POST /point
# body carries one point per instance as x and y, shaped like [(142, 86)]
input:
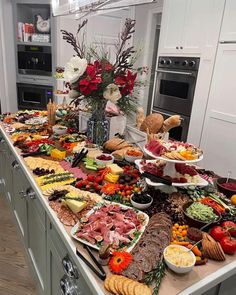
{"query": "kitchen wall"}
[(7, 59), (107, 27)]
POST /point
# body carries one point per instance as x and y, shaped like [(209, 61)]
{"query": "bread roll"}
[(153, 122), (171, 122)]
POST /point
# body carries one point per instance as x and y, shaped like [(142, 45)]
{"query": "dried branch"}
[(79, 47), (123, 62), (126, 35)]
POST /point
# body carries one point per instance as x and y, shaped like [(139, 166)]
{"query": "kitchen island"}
[(52, 251)]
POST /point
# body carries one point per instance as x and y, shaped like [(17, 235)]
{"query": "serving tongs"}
[(101, 273), (78, 158), (155, 178)]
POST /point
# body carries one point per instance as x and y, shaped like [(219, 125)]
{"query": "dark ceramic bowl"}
[(226, 191), (192, 222)]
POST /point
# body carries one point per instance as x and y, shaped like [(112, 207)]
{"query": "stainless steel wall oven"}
[(174, 90), (33, 96)]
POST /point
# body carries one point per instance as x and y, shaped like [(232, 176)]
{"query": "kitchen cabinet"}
[(228, 29), (186, 25), (63, 276), (18, 199), (37, 238), (29, 215), (219, 130)]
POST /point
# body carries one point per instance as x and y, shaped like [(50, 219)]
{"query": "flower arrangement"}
[(97, 80)]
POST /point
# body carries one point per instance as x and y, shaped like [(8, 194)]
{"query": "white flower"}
[(75, 68), (73, 93), (112, 93)]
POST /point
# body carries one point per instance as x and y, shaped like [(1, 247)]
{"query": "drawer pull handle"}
[(69, 268), (68, 286)]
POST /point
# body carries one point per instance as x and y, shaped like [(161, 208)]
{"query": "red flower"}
[(119, 261), (126, 83), (89, 83)]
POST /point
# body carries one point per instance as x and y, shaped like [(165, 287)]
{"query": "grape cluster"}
[(41, 172)]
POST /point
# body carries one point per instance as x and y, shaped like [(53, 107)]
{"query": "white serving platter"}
[(129, 248), (202, 181)]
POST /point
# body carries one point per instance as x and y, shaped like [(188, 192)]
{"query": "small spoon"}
[(228, 176)]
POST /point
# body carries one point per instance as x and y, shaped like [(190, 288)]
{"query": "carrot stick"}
[(195, 250)]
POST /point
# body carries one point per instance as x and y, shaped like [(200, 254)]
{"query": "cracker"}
[(106, 283), (112, 284), (124, 285), (125, 288), (131, 287)]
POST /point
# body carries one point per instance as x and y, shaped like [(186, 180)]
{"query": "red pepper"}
[(208, 201), (40, 141)]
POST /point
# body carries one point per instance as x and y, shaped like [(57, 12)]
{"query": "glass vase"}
[(98, 125)]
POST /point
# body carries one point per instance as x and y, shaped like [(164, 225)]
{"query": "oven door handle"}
[(167, 114), (175, 72), (30, 101)]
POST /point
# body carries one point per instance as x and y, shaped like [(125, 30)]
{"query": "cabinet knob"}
[(68, 286), (181, 47), (177, 47), (30, 193), (69, 268), (15, 165)]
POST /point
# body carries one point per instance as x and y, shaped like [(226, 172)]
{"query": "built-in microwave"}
[(33, 96), (34, 60)]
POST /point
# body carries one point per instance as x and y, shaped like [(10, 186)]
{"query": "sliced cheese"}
[(115, 169)]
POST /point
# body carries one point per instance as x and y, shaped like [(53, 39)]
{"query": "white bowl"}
[(104, 162), (179, 269), (59, 129), (132, 159), (139, 205)]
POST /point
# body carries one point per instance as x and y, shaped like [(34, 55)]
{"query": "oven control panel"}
[(179, 63)]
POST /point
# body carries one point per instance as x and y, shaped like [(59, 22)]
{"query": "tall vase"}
[(98, 125)]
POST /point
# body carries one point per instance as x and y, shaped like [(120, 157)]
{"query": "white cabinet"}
[(228, 30), (172, 26), (186, 25), (219, 131)]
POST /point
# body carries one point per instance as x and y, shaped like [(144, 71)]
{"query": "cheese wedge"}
[(115, 169), (75, 206)]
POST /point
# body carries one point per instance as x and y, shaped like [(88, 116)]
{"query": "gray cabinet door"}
[(18, 200), (54, 269), (3, 152), (37, 242), (67, 275)]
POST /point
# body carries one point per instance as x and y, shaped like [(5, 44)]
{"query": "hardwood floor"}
[(15, 276)]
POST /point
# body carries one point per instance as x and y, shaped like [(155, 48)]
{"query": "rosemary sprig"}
[(155, 276)]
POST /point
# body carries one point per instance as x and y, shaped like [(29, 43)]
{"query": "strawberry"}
[(90, 177)]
